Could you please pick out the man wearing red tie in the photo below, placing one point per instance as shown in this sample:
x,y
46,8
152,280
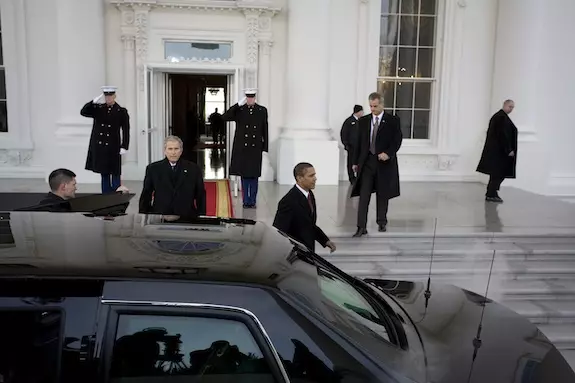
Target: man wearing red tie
x,y
375,162
297,212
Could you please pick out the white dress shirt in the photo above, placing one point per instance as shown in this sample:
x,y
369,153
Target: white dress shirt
x,y
305,192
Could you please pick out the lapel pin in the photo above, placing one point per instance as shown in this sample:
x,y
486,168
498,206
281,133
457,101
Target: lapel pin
x,y
185,171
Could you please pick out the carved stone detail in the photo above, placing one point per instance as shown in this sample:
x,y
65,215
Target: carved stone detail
x,y
266,46
446,162
224,6
141,22
265,24
129,42
252,31
16,157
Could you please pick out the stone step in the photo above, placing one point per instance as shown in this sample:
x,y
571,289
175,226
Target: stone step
x,y
544,313
531,234
501,271
439,255
561,335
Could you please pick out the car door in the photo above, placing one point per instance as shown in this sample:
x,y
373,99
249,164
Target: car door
x,y
164,342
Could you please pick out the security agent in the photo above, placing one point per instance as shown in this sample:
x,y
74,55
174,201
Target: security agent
x,y
63,198
349,136
62,188
250,141
106,146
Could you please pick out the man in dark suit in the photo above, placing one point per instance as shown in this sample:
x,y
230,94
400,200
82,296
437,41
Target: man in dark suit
x,y
349,137
250,141
218,125
106,147
62,188
173,186
375,161
499,157
297,212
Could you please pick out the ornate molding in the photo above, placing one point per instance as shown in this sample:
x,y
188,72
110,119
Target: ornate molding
x,y
266,46
141,23
129,42
16,157
252,33
446,162
204,6
202,60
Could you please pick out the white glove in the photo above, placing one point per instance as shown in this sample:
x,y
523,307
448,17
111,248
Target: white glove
x,y
100,99
123,151
242,101
123,189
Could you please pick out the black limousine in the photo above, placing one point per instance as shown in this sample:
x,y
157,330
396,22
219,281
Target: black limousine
x,y
131,298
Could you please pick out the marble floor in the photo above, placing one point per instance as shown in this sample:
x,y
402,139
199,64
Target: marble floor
x,y
447,208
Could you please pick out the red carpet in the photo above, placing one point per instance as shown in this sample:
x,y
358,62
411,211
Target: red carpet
x,y
219,199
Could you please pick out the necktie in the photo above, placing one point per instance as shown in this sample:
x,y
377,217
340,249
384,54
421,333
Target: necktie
x,y
309,202
374,135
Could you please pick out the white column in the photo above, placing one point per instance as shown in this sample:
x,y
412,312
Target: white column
x,y
81,54
362,48
307,69
128,93
519,73
306,135
81,73
264,97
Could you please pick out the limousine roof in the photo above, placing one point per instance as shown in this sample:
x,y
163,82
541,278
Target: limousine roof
x,y
140,246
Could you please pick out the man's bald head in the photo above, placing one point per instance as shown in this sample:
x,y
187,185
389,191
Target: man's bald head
x,y
508,106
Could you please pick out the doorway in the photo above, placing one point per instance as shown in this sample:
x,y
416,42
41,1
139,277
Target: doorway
x,y
195,105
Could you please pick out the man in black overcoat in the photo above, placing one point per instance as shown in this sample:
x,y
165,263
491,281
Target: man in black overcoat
x,y
250,141
173,186
297,211
106,147
349,136
499,157
375,161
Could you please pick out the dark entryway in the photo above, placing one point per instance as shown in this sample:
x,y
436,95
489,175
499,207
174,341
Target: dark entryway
x,y
194,99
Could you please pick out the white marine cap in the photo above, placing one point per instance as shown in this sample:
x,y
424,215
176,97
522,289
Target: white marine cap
x,y
109,89
250,91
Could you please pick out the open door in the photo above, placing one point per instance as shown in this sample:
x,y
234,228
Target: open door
x,y
156,115
233,93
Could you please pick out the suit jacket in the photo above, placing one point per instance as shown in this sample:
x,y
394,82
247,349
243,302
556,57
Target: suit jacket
x,y
348,134
295,218
388,140
180,192
55,203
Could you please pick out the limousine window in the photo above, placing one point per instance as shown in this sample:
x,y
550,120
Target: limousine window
x,y
348,298
30,346
155,347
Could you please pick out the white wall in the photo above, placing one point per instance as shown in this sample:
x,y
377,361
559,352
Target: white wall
x,y
487,51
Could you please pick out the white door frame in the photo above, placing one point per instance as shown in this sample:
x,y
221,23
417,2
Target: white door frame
x,y
155,117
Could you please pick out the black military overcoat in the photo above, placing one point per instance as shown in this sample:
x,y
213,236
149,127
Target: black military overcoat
x,y
105,142
250,140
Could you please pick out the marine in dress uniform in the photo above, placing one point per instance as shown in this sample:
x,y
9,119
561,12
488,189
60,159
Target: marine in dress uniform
x,y
110,137
349,136
250,140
